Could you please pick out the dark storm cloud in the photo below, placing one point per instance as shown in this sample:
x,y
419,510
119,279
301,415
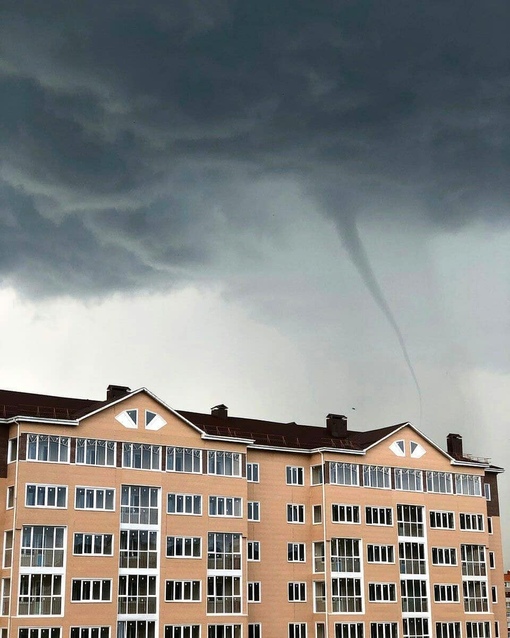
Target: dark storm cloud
x,y
129,131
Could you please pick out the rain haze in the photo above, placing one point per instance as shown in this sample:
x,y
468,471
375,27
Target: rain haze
x,y
292,208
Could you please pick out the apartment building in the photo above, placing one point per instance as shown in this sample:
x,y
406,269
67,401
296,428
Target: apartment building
x,y
126,518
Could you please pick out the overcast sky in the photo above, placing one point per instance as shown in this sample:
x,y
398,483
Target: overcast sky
x,y
294,208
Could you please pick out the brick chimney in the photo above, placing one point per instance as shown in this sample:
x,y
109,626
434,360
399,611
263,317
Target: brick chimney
x,y
221,411
116,392
454,446
336,425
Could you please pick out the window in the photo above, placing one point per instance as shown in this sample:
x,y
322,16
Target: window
x,y
468,484
319,597
40,595
38,632
416,627
254,630
376,476
316,476
446,593
223,631
408,480
12,453
380,554
378,516
224,551
295,513
254,592
253,511
6,596
444,556
345,555
10,497
489,524
95,498
382,592
413,593
448,630
472,522
138,549
182,631
91,590
43,447
183,547
137,595
345,513
224,463
440,482
410,520
412,558
252,472
297,630
183,459
225,506
224,595
349,630
184,504
139,505
182,591
141,456
90,632
295,475
93,544
46,496
343,473
494,594
487,491
478,629
318,557
42,546
95,452
442,520
383,630
317,514
473,560
346,595
475,595
297,592
8,537
136,628
492,560
296,552
254,550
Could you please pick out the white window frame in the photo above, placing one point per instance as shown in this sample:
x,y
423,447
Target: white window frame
x,y
298,630
93,544
478,629
344,513
446,593
441,519
254,594
381,554
253,549
448,629
408,479
184,591
225,506
88,583
384,629
382,592
46,488
181,631
296,549
296,513
91,632
344,473
37,599
189,459
317,475
295,475
10,497
377,477
8,548
35,449
88,448
107,494
439,554
12,450
133,461
184,504
381,514
471,522
184,547
253,472
254,511
439,482
296,592
468,484
223,463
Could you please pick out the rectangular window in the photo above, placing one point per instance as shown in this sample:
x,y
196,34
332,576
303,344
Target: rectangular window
x,y
182,631
95,452
296,552
223,463
138,549
345,555
473,560
8,537
440,482
346,595
382,592
297,630
413,593
444,556
42,546
408,480
90,632
350,630
316,475
297,592
40,595
254,630
448,630
317,514
45,447
378,516
184,504
6,596
91,590
319,597
489,524
37,632
12,453
224,551
446,593
318,557
343,473
492,560
412,558
377,476
494,594
139,505
93,544
254,592
468,484
295,513
410,520
46,496
183,591
478,629
384,630
183,459
95,498
10,497
295,475
252,472
183,547
416,627
224,595
475,595
380,553
345,513
253,511
137,595
224,631
253,550
487,491
225,506
442,520
471,522
141,456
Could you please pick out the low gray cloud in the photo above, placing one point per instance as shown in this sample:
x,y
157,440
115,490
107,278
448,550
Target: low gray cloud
x,y
130,133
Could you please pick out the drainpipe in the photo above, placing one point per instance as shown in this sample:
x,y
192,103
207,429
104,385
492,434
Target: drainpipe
x,y
324,519
14,518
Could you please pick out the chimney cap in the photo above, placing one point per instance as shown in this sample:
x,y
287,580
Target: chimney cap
x,y
220,411
116,391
